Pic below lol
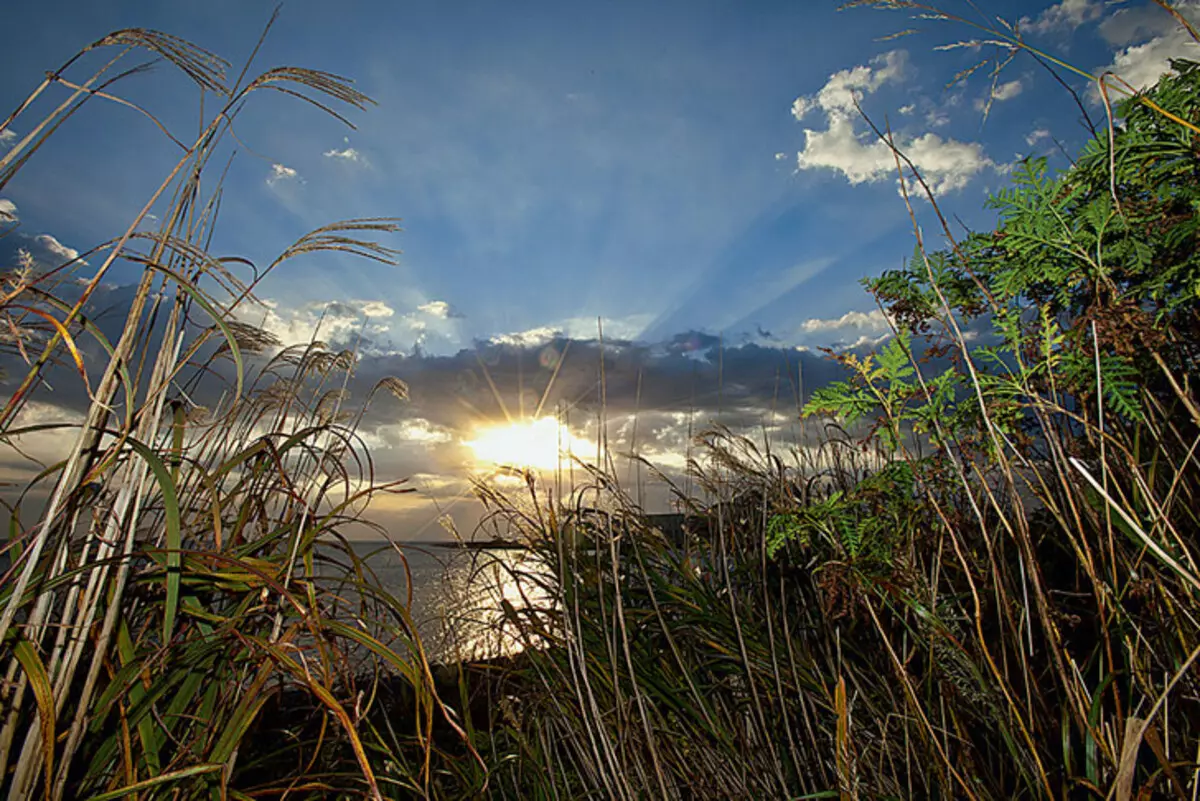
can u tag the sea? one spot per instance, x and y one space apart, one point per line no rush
459 595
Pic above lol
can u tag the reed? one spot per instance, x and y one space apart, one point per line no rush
187 571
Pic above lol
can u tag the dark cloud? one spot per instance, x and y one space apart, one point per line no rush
691 372
651 395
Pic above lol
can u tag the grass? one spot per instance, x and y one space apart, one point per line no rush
186 570
981 583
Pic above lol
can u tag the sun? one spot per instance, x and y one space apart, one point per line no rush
532 444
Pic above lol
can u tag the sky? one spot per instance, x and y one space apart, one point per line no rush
692 181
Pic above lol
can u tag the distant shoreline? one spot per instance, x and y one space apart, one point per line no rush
489 545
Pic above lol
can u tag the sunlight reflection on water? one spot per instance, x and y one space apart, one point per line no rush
459 597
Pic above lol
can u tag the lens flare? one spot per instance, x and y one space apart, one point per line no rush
549 357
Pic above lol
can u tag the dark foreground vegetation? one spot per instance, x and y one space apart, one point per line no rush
989 590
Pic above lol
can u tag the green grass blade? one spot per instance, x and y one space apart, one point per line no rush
158 781
174 532
43 694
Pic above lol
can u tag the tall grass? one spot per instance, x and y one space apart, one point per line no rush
186 571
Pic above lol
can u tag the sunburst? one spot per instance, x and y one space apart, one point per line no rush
539 444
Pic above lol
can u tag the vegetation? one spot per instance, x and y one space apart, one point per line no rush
989 590
187 567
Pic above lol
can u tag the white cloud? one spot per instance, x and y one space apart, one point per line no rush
864 341
41 252
1064 16
626 328
1037 135
946 164
422 431
376 308
531 338
282 174
1007 91
857 154
1142 64
907 110
405 434
339 323
374 327
56 248
438 308
854 329
800 108
843 89
1002 92
874 321
8 210
7 138
347 154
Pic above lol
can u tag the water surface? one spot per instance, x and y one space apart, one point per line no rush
459 594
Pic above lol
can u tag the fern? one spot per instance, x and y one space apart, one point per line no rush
841 399
1110 245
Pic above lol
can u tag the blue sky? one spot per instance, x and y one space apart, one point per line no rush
676 168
